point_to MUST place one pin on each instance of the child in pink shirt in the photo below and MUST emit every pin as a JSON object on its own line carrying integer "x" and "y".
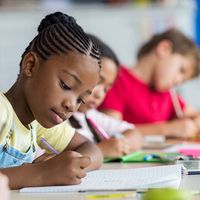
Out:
{"x": 141, "y": 94}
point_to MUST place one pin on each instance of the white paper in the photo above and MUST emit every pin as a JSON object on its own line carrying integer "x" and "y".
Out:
{"x": 120, "y": 179}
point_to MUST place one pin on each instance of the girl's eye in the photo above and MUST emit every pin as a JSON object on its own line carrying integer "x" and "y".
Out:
{"x": 182, "y": 70}
{"x": 80, "y": 101}
{"x": 64, "y": 86}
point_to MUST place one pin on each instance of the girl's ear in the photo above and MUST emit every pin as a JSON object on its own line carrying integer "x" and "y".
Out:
{"x": 164, "y": 48}
{"x": 29, "y": 64}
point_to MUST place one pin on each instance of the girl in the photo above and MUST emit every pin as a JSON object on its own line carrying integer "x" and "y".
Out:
{"x": 141, "y": 95}
{"x": 52, "y": 83}
{"x": 115, "y": 146}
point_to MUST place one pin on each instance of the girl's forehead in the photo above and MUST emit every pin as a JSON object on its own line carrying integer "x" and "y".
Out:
{"x": 80, "y": 65}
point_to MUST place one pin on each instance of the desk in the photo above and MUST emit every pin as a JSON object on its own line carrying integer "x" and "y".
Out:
{"x": 188, "y": 182}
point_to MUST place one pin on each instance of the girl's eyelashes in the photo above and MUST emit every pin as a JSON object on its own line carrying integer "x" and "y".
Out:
{"x": 64, "y": 86}
{"x": 80, "y": 101}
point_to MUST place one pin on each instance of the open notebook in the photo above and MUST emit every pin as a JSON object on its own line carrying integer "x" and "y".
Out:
{"x": 120, "y": 179}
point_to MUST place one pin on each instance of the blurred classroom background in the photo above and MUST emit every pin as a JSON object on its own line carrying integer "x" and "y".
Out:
{"x": 123, "y": 24}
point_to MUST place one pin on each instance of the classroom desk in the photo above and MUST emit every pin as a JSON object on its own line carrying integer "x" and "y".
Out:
{"x": 188, "y": 182}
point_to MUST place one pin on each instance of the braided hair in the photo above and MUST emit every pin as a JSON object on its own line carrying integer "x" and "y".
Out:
{"x": 59, "y": 33}
{"x": 105, "y": 50}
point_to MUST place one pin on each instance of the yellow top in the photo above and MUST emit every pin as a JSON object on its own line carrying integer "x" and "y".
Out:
{"x": 59, "y": 136}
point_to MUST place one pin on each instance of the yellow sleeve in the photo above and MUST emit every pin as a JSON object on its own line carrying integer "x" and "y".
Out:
{"x": 58, "y": 137}
{"x": 6, "y": 116}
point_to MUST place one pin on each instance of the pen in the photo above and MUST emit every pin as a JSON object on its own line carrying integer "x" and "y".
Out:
{"x": 100, "y": 130}
{"x": 176, "y": 103}
{"x": 49, "y": 147}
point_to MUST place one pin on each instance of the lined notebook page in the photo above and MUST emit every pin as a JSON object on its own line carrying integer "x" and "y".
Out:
{"x": 120, "y": 179}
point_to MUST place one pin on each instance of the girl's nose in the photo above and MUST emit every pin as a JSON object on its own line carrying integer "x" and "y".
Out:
{"x": 70, "y": 104}
{"x": 98, "y": 92}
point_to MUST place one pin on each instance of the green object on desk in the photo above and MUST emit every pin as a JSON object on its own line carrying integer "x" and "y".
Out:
{"x": 144, "y": 157}
{"x": 167, "y": 194}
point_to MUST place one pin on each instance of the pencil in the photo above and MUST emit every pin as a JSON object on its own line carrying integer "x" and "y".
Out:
{"x": 176, "y": 103}
{"x": 100, "y": 130}
{"x": 49, "y": 147}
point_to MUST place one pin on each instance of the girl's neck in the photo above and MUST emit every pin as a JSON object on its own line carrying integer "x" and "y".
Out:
{"x": 17, "y": 99}
{"x": 144, "y": 69}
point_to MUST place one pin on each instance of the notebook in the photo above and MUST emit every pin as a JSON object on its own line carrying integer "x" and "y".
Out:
{"x": 120, "y": 179}
{"x": 160, "y": 157}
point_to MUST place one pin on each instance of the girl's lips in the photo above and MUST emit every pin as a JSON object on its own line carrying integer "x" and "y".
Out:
{"x": 58, "y": 117}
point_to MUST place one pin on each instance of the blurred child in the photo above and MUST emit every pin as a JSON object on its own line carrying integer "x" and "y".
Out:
{"x": 52, "y": 83}
{"x": 141, "y": 95}
{"x": 4, "y": 189}
{"x": 113, "y": 146}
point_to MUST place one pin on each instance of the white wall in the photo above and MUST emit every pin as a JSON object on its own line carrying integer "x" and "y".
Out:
{"x": 123, "y": 28}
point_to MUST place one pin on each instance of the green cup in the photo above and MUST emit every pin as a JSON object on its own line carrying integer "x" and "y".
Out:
{"x": 167, "y": 194}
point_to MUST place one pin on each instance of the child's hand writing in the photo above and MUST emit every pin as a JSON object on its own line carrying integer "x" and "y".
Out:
{"x": 69, "y": 170}
{"x": 114, "y": 147}
{"x": 184, "y": 128}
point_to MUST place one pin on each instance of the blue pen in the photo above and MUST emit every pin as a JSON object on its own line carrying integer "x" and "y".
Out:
{"x": 49, "y": 147}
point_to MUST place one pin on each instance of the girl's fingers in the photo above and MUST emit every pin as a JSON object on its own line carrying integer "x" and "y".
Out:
{"x": 84, "y": 162}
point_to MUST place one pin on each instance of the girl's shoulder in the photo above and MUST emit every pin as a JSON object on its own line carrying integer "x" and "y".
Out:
{"x": 5, "y": 107}
{"x": 6, "y": 114}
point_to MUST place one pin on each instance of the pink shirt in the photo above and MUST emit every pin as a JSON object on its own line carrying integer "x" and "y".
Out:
{"x": 137, "y": 102}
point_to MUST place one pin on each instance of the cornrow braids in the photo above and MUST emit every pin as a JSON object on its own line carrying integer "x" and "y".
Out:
{"x": 105, "y": 50}
{"x": 59, "y": 33}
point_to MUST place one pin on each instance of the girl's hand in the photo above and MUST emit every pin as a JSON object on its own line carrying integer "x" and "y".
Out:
{"x": 4, "y": 189}
{"x": 134, "y": 138}
{"x": 68, "y": 168}
{"x": 114, "y": 147}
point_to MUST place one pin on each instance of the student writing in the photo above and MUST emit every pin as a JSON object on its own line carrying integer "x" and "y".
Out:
{"x": 52, "y": 83}
{"x": 111, "y": 146}
{"x": 141, "y": 94}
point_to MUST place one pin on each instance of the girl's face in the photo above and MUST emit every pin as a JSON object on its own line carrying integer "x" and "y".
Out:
{"x": 108, "y": 75}
{"x": 56, "y": 87}
{"x": 172, "y": 70}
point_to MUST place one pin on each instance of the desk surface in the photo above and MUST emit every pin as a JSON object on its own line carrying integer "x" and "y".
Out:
{"x": 188, "y": 182}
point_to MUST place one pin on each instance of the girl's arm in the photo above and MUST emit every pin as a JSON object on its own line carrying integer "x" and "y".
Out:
{"x": 67, "y": 168}
{"x": 82, "y": 145}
